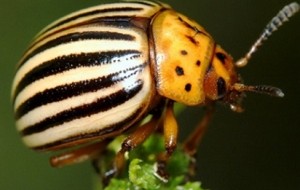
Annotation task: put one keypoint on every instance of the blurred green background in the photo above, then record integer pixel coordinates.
(259, 149)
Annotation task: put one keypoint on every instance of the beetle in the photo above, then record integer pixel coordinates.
(98, 72)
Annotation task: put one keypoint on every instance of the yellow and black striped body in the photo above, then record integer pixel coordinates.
(99, 71)
(87, 75)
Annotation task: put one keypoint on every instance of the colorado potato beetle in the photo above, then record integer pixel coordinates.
(98, 72)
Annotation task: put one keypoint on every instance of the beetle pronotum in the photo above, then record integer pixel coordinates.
(95, 73)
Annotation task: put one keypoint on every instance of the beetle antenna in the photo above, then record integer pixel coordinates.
(283, 16)
(262, 89)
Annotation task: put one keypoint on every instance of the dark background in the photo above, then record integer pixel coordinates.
(258, 149)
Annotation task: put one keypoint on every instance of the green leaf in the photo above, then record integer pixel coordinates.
(140, 171)
(192, 186)
(119, 184)
(142, 175)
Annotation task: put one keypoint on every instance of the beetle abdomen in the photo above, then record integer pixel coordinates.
(85, 76)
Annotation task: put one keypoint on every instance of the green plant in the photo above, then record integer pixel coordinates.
(140, 171)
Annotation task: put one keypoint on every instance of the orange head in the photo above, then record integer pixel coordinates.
(222, 83)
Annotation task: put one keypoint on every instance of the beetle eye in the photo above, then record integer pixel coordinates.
(221, 87)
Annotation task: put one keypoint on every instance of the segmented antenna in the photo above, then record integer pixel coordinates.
(262, 89)
(283, 16)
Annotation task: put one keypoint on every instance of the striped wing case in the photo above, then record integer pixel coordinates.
(86, 76)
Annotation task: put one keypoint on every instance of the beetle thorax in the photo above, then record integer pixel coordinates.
(183, 51)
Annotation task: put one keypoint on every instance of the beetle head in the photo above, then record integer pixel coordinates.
(222, 82)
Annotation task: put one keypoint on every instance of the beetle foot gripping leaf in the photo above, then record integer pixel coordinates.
(141, 169)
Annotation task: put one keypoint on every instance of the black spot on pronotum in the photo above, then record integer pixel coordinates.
(198, 63)
(183, 52)
(221, 87)
(192, 40)
(222, 57)
(188, 87)
(191, 27)
(180, 19)
(186, 24)
(179, 71)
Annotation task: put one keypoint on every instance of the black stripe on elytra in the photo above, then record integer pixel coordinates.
(157, 2)
(66, 91)
(109, 21)
(85, 110)
(94, 12)
(79, 36)
(68, 62)
(116, 21)
(141, 3)
(101, 134)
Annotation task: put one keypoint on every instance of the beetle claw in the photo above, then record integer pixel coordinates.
(161, 171)
(108, 175)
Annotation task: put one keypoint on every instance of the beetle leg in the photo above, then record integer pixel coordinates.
(79, 155)
(132, 141)
(192, 142)
(170, 130)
